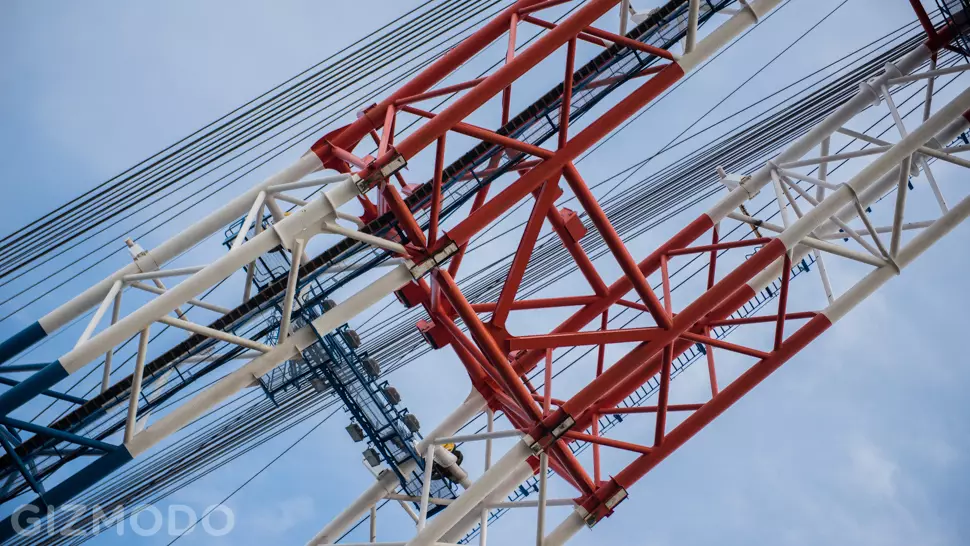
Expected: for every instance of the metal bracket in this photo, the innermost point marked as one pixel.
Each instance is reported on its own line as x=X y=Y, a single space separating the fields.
x=750 y=8
x=537 y=447
x=563 y=427
x=591 y=518
x=876 y=94
x=143 y=260
x=435 y=260
x=365 y=184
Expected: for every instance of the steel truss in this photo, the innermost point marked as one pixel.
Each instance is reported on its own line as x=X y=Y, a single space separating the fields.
x=496 y=360
x=813 y=223
x=314 y=218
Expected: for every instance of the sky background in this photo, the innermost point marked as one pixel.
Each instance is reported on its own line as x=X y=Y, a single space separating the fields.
x=862 y=439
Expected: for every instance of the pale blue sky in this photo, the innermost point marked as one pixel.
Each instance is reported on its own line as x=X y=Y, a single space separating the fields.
x=860 y=440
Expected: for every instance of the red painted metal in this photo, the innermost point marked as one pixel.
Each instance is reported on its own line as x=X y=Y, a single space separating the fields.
x=584 y=36
x=497 y=361
x=577 y=339
x=724 y=399
x=547 y=195
x=485 y=135
x=567 y=94
x=924 y=19
x=439 y=165
x=649 y=409
x=608 y=442
x=711 y=369
x=757 y=320
x=721 y=344
x=541 y=6
x=440 y=92
x=719 y=246
x=615 y=244
x=540 y=303
x=782 y=303
x=547 y=387
x=600 y=363
x=590 y=34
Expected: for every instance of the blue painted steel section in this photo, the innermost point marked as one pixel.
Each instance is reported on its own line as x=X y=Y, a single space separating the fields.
x=63 y=492
x=31 y=387
x=13 y=345
x=15 y=368
x=27 y=473
x=59 y=434
x=47 y=392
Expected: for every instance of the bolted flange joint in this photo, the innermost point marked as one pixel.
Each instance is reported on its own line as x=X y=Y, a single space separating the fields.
x=364 y=184
x=435 y=260
x=601 y=503
x=540 y=438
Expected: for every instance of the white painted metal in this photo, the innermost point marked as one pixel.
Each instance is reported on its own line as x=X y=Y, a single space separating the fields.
x=109 y=298
x=373 y=523
x=194 y=302
x=109 y=355
x=848 y=212
x=387 y=483
x=878 y=167
x=325 y=181
x=214 y=334
x=163 y=273
x=259 y=366
x=291 y=281
x=366 y=238
x=624 y=16
x=426 y=486
x=290 y=199
x=136 y=379
x=251 y=268
x=478 y=437
x=543 y=492
x=248 y=355
x=248 y=221
x=511 y=464
x=178 y=244
x=876 y=279
x=693 y=14
x=303 y=223
x=566 y=530
x=930 y=74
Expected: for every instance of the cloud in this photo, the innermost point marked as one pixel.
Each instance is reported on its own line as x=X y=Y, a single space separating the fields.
x=871 y=470
x=285 y=515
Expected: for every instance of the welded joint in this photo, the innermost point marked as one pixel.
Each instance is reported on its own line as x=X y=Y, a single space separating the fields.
x=143 y=260
x=934 y=143
x=289 y=232
x=742 y=183
x=876 y=94
x=753 y=11
x=892 y=71
x=890 y=260
x=433 y=261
